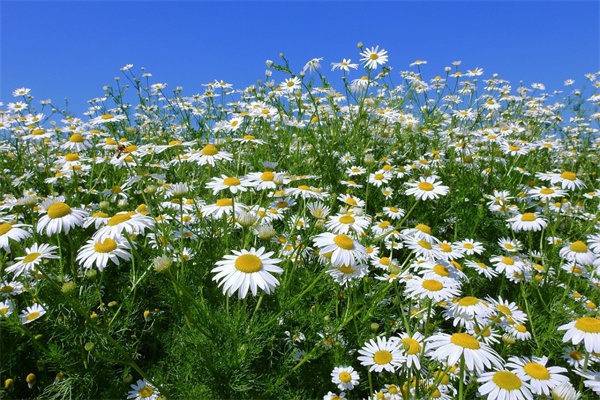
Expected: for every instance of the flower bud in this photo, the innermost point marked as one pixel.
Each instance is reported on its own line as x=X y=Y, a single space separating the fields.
x=89 y=346
x=162 y=263
x=9 y=384
x=31 y=378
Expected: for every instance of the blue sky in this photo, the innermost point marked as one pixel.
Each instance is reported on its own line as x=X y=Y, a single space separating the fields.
x=72 y=48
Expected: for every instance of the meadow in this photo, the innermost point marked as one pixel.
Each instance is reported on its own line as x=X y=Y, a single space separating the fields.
x=372 y=234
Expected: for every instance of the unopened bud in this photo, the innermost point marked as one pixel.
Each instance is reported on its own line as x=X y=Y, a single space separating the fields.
x=9 y=384
x=374 y=326
x=68 y=287
x=89 y=346
x=162 y=263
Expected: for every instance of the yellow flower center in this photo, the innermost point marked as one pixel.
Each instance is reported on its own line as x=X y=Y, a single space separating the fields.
x=267 y=176
x=505 y=310
x=424 y=244
x=468 y=301
x=105 y=247
x=76 y=138
x=537 y=371
x=248 y=263
x=351 y=201
x=38 y=132
x=107 y=116
x=119 y=218
x=146 y=392
x=468 y=246
x=345 y=377
x=99 y=215
x=446 y=248
x=304 y=187
x=521 y=328
x=384 y=260
x=528 y=217
x=72 y=157
x=441 y=270
x=209 y=150
x=411 y=346
x=378 y=177
x=6 y=289
x=33 y=316
x=382 y=357
x=423 y=228
x=578 y=247
x=588 y=325
x=508 y=261
x=514 y=148
x=4 y=311
x=344 y=242
x=576 y=355
x=374 y=56
x=231 y=181
x=432 y=285
x=546 y=191
x=570 y=176
x=345 y=269
x=507 y=380
x=346 y=219
x=5 y=228
x=224 y=203
x=282 y=204
x=58 y=210
x=426 y=186
x=465 y=340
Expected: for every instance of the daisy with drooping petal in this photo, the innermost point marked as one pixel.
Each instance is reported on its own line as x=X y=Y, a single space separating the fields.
x=222 y=207
x=503 y=385
x=34 y=255
x=592 y=380
x=229 y=183
x=346 y=273
x=344 y=250
x=380 y=355
x=423 y=248
x=32 y=313
x=567 y=180
x=59 y=217
x=209 y=155
x=344 y=377
x=410 y=346
x=247 y=269
x=143 y=390
x=584 y=329
x=482 y=269
x=6 y=308
x=541 y=379
x=450 y=348
x=578 y=252
x=14 y=232
x=345 y=223
x=101 y=251
x=527 y=222
x=426 y=188
x=470 y=247
x=106 y=118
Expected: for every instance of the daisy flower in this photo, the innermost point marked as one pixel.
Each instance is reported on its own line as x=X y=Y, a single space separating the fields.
x=6 y=309
x=32 y=313
x=567 y=180
x=346 y=273
x=11 y=288
x=266 y=180
x=345 y=223
x=380 y=177
x=411 y=346
x=423 y=248
x=101 y=251
x=355 y=170
x=394 y=212
x=592 y=380
x=450 y=348
x=578 y=252
x=584 y=329
x=334 y=396
x=481 y=269
x=343 y=250
x=344 y=377
x=59 y=217
x=380 y=355
x=306 y=192
x=426 y=188
x=541 y=379
x=374 y=57
x=527 y=222
x=545 y=194
x=247 y=269
x=351 y=200
x=503 y=385
x=130 y=222
x=209 y=155
x=225 y=182
x=470 y=247
x=34 y=255
x=14 y=232
x=510 y=312
x=434 y=289
x=105 y=118
x=345 y=65
x=143 y=390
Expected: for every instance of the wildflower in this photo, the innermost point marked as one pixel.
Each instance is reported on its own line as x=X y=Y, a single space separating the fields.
x=541 y=379
x=6 y=308
x=411 y=346
x=345 y=65
x=380 y=355
x=14 y=232
x=210 y=154
x=584 y=329
x=59 y=217
x=34 y=255
x=143 y=390
x=225 y=182
x=503 y=384
x=527 y=222
x=32 y=313
x=434 y=289
x=106 y=118
x=578 y=252
x=100 y=251
x=374 y=57
x=343 y=249
x=344 y=377
x=130 y=222
x=426 y=188
x=450 y=348
x=345 y=223
x=247 y=269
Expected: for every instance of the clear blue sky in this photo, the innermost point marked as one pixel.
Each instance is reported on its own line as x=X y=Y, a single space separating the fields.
x=73 y=48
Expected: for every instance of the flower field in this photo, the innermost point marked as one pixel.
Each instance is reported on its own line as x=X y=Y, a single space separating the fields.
x=372 y=234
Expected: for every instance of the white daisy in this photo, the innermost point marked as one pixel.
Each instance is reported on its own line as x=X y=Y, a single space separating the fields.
x=426 y=188
x=143 y=390
x=345 y=223
x=101 y=251
x=578 y=252
x=584 y=329
x=542 y=379
x=209 y=155
x=59 y=217
x=344 y=377
x=340 y=249
x=34 y=255
x=130 y=222
x=503 y=385
x=450 y=348
x=247 y=269
x=383 y=354
x=14 y=232
x=32 y=313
